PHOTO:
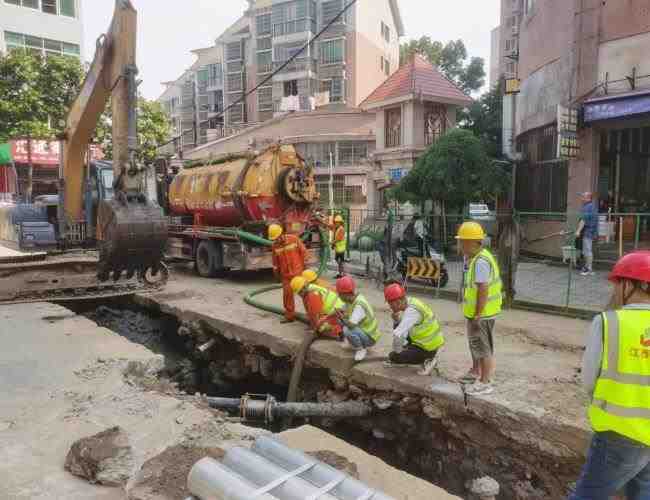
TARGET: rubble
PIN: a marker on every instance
(105, 458)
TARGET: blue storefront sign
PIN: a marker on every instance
(603, 109)
(396, 174)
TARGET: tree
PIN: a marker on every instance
(153, 129)
(455, 170)
(484, 118)
(451, 59)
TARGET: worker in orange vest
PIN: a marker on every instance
(289, 255)
(320, 305)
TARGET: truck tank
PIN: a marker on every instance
(248, 188)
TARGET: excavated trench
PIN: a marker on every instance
(408, 431)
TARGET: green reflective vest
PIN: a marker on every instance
(621, 400)
(342, 245)
(495, 288)
(427, 333)
(331, 300)
(369, 325)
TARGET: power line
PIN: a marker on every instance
(275, 72)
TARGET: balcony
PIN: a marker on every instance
(297, 65)
(295, 26)
(263, 69)
(394, 137)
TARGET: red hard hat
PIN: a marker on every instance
(345, 285)
(633, 266)
(393, 292)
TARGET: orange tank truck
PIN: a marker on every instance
(215, 199)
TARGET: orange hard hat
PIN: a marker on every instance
(345, 285)
(394, 291)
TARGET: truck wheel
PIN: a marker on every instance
(207, 259)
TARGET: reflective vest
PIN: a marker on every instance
(621, 400)
(331, 300)
(495, 293)
(340, 240)
(427, 333)
(369, 325)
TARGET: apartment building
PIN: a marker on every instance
(356, 53)
(42, 26)
(583, 61)
(495, 57)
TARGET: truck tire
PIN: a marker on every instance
(208, 259)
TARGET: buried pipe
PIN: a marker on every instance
(210, 479)
(270, 409)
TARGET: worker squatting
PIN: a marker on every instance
(345, 314)
(616, 365)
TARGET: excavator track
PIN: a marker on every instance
(67, 277)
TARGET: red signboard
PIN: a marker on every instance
(45, 152)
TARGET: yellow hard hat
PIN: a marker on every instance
(310, 276)
(471, 231)
(275, 231)
(338, 218)
(298, 283)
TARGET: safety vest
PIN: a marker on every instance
(427, 333)
(331, 300)
(495, 288)
(341, 245)
(369, 325)
(621, 400)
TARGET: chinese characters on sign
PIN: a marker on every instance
(617, 108)
(567, 124)
(45, 152)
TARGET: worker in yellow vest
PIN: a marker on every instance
(416, 327)
(482, 299)
(360, 326)
(616, 375)
(340, 244)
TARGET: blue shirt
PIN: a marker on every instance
(590, 217)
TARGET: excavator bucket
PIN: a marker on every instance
(132, 237)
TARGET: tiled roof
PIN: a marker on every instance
(419, 76)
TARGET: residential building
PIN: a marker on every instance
(351, 58)
(495, 57)
(413, 109)
(590, 57)
(42, 26)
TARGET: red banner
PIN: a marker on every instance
(45, 152)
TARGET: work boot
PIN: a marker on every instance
(360, 355)
(429, 366)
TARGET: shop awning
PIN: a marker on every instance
(617, 106)
(5, 154)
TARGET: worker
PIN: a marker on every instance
(313, 279)
(320, 305)
(289, 255)
(481, 306)
(616, 375)
(360, 327)
(340, 244)
(417, 328)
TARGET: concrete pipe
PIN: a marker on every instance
(320, 475)
(262, 472)
(209, 480)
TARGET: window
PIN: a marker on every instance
(264, 43)
(529, 5)
(335, 88)
(331, 51)
(352, 153)
(382, 63)
(290, 88)
(235, 82)
(387, 67)
(435, 122)
(234, 51)
(40, 46)
(264, 24)
(393, 128)
(67, 8)
(385, 31)
(32, 4)
(49, 6)
(285, 52)
(264, 62)
(331, 9)
(215, 75)
(265, 99)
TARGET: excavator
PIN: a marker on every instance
(123, 255)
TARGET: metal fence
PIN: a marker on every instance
(540, 260)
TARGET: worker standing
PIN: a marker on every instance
(320, 305)
(289, 255)
(417, 327)
(340, 244)
(360, 326)
(616, 375)
(482, 302)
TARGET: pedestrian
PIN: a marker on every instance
(340, 244)
(616, 375)
(588, 231)
(416, 327)
(321, 305)
(482, 302)
(360, 327)
(289, 256)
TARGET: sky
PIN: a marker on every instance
(167, 32)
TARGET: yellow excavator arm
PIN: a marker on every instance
(131, 230)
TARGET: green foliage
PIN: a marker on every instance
(35, 94)
(153, 129)
(454, 170)
(451, 59)
(484, 117)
